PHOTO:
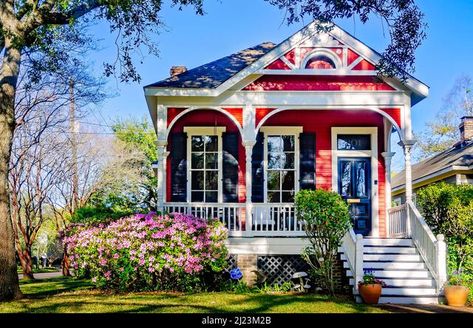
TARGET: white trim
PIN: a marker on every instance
(373, 154)
(208, 131)
(193, 108)
(311, 71)
(281, 130)
(287, 62)
(356, 62)
(369, 108)
(329, 53)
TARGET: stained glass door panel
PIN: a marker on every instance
(354, 178)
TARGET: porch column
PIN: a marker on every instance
(249, 144)
(249, 141)
(162, 153)
(407, 147)
(162, 156)
(387, 163)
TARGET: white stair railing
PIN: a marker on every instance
(397, 222)
(433, 250)
(352, 246)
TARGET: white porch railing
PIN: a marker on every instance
(276, 220)
(266, 219)
(353, 249)
(230, 214)
(405, 221)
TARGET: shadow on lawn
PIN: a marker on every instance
(79, 296)
(37, 289)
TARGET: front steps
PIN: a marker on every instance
(398, 263)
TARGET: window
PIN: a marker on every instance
(281, 165)
(353, 142)
(281, 169)
(320, 62)
(205, 158)
(204, 169)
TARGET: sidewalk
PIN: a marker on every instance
(45, 275)
(430, 308)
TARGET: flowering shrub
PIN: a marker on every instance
(148, 252)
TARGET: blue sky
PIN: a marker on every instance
(232, 25)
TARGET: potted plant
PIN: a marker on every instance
(370, 288)
(456, 289)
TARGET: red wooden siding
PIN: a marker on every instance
(320, 122)
(351, 56)
(278, 64)
(364, 65)
(173, 112)
(291, 56)
(208, 118)
(318, 83)
(237, 113)
(395, 113)
(261, 113)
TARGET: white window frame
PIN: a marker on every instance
(204, 131)
(285, 131)
(372, 153)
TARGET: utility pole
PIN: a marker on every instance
(74, 130)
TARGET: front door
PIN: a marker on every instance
(354, 185)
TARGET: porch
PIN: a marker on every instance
(280, 219)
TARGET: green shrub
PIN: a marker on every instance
(326, 220)
(448, 210)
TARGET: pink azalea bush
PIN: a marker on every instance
(148, 252)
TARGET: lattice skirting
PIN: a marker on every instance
(279, 268)
(232, 262)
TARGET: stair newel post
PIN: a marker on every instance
(358, 260)
(441, 248)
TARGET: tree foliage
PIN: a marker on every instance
(47, 31)
(442, 132)
(403, 18)
(326, 220)
(448, 210)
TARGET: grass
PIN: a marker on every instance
(67, 295)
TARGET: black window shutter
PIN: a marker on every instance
(257, 170)
(307, 161)
(179, 167)
(230, 167)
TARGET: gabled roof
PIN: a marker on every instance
(213, 74)
(216, 77)
(456, 158)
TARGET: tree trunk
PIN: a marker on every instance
(9, 284)
(65, 264)
(26, 263)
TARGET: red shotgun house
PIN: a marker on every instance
(239, 136)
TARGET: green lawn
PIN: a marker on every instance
(60, 295)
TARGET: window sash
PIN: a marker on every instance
(277, 192)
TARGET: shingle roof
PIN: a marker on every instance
(213, 74)
(458, 155)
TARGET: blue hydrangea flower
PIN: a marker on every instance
(235, 274)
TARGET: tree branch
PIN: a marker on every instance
(44, 15)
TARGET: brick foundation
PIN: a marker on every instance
(248, 266)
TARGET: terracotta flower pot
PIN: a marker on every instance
(370, 293)
(456, 295)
